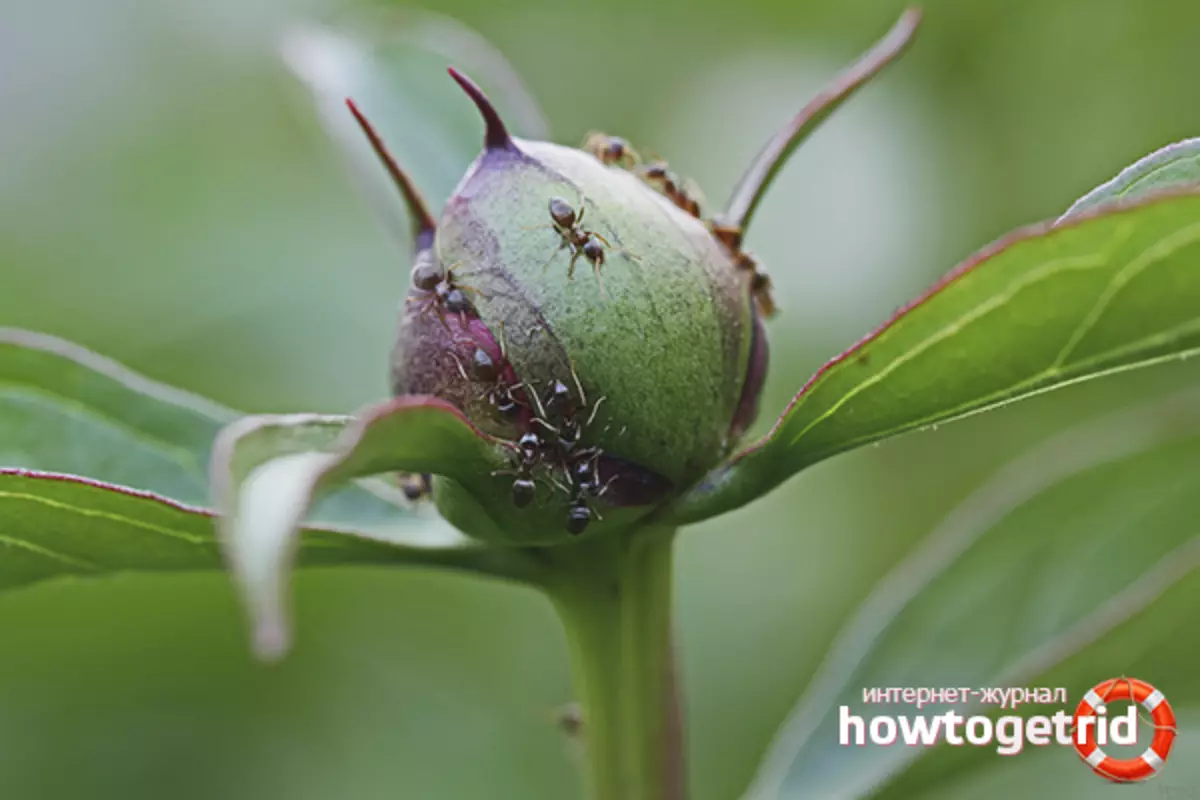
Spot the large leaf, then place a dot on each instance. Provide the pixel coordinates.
(54, 525)
(269, 471)
(1076, 564)
(1174, 166)
(393, 66)
(1042, 308)
(144, 449)
(67, 410)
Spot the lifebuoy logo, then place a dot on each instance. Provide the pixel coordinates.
(1088, 727)
(1089, 730)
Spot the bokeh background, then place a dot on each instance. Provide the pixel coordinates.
(167, 197)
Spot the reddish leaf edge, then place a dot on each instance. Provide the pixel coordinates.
(163, 500)
(357, 428)
(682, 509)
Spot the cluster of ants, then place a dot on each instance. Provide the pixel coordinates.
(558, 448)
(538, 455)
(615, 151)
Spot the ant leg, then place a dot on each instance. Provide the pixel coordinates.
(554, 255)
(592, 417)
(503, 344)
(458, 364)
(575, 378)
(576, 252)
(441, 314)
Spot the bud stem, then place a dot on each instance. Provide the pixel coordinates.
(775, 153)
(613, 595)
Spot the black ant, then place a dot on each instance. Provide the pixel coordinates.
(415, 485)
(611, 150)
(579, 240)
(497, 390)
(568, 223)
(438, 289)
(529, 454)
(586, 482)
(680, 192)
(760, 282)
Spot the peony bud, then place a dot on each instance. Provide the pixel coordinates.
(584, 314)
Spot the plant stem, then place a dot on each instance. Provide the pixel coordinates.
(613, 595)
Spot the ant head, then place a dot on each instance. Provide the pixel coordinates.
(483, 367)
(508, 407)
(616, 148)
(558, 398)
(529, 445)
(456, 301)
(425, 274)
(562, 212)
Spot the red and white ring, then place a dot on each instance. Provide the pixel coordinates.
(1129, 769)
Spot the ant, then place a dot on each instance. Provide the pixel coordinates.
(498, 392)
(611, 150)
(438, 289)
(563, 411)
(585, 482)
(568, 223)
(680, 192)
(529, 451)
(415, 485)
(760, 282)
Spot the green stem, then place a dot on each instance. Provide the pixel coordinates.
(613, 595)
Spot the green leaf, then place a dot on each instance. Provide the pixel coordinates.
(268, 472)
(65, 409)
(1042, 308)
(393, 66)
(54, 525)
(1078, 563)
(1174, 166)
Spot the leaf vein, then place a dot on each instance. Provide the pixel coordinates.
(1152, 255)
(105, 515)
(1048, 270)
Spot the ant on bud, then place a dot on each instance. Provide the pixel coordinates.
(682, 192)
(416, 486)
(529, 452)
(568, 224)
(438, 291)
(497, 390)
(760, 283)
(611, 150)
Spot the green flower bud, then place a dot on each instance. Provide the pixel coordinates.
(574, 308)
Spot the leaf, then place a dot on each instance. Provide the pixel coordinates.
(1042, 308)
(1070, 567)
(54, 525)
(268, 471)
(393, 66)
(65, 409)
(1174, 166)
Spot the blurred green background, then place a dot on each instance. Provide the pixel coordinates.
(168, 198)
